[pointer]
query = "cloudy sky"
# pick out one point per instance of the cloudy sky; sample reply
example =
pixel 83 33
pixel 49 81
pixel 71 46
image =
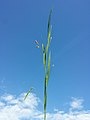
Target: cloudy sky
pixel 21 23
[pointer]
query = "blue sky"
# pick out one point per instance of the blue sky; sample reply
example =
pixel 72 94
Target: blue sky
pixel 22 22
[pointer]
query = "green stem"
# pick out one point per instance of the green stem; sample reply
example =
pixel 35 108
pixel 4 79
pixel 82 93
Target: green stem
pixel 45 98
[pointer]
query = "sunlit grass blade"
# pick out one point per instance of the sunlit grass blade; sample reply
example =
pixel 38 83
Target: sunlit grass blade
pixel 49 40
pixel 48 71
pixel 49 35
pixel 49 20
pixel 46 77
pixel 47 62
pixel 43 48
pixel 28 93
pixel 44 60
pixel 49 31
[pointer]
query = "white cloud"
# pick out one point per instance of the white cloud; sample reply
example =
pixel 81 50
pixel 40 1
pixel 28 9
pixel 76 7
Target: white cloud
pixel 12 108
pixel 15 108
pixel 2 85
pixel 76 103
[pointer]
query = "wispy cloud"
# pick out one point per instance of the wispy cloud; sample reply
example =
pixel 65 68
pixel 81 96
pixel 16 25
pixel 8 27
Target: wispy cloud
pixel 15 108
pixel 76 103
pixel 2 85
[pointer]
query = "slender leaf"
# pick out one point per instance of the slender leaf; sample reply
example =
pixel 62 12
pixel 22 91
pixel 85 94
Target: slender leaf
pixel 47 62
pixel 47 47
pixel 44 60
pixel 28 93
pixel 46 77
pixel 48 71
pixel 49 31
pixel 43 48
pixel 49 36
pixel 49 20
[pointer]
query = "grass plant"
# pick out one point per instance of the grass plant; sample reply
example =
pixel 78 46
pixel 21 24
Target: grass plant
pixel 46 62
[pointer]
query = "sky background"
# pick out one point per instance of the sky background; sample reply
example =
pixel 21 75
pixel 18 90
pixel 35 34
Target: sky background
pixel 21 66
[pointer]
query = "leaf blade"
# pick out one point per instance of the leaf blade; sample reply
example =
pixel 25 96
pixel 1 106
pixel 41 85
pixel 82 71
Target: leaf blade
pixel 44 60
pixel 28 93
pixel 43 48
pixel 48 70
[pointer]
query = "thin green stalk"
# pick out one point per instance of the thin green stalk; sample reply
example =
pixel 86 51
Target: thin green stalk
pixel 45 99
pixel 47 62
